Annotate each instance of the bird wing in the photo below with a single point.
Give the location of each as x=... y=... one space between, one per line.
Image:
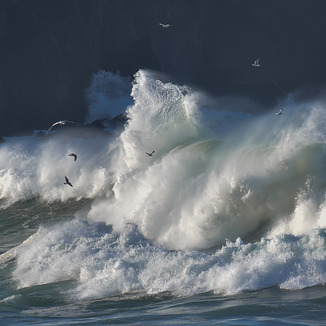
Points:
x=62 y=122
x=56 y=123
x=74 y=155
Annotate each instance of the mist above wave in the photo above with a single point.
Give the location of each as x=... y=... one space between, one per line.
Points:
x=215 y=175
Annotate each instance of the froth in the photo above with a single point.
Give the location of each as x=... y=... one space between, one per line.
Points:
x=39 y=169
x=261 y=176
x=198 y=190
x=106 y=263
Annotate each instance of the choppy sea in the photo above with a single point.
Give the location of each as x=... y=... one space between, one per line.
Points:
x=224 y=224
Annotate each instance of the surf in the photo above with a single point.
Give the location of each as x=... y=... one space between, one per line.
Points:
x=262 y=176
x=95 y=262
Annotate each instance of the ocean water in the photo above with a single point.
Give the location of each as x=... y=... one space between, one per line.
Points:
x=224 y=224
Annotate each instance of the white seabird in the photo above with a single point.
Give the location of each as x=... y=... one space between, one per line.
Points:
x=279 y=112
x=67 y=182
x=165 y=25
x=74 y=155
x=62 y=122
x=256 y=63
x=150 y=154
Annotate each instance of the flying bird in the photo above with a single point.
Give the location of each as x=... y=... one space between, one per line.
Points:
x=279 y=112
x=67 y=182
x=256 y=63
x=74 y=155
x=62 y=122
x=150 y=154
x=165 y=25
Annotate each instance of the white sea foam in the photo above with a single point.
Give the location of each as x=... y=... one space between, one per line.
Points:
x=260 y=180
x=200 y=189
x=262 y=176
x=106 y=263
x=31 y=167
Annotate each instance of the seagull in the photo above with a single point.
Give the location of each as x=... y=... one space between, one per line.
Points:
x=279 y=112
x=256 y=63
x=150 y=154
x=74 y=155
x=67 y=182
x=165 y=25
x=62 y=122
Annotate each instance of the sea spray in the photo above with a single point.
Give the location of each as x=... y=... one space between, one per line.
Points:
x=108 y=95
x=198 y=190
x=200 y=187
x=210 y=211
x=105 y=263
x=38 y=169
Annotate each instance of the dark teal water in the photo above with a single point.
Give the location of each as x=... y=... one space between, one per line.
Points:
x=43 y=306
x=50 y=303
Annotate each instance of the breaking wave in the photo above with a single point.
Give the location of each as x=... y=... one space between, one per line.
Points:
x=251 y=189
